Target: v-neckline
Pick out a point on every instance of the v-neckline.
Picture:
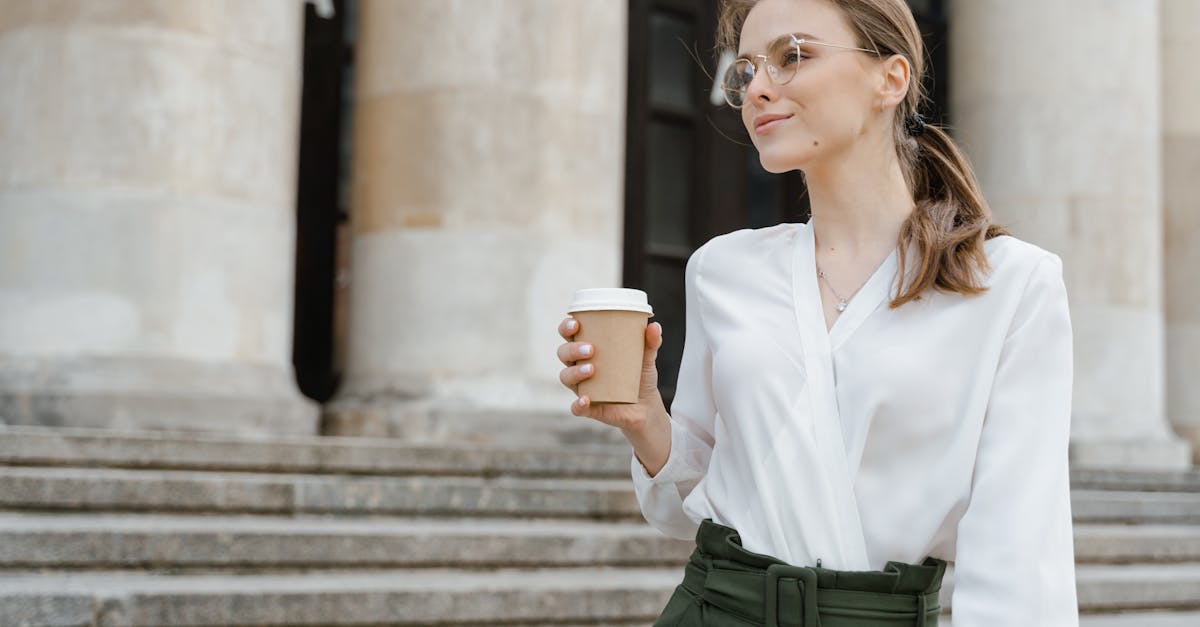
(807, 291)
(817, 345)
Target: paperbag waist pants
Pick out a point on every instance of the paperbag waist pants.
(726, 585)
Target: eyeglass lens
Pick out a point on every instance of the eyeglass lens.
(781, 58)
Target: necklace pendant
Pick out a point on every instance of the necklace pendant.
(841, 306)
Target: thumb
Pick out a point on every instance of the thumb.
(654, 341)
(649, 371)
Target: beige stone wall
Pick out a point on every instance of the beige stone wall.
(1181, 216)
(1058, 106)
(487, 186)
(147, 183)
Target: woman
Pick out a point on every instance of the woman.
(822, 440)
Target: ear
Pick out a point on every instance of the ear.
(894, 72)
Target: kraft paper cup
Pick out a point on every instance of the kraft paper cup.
(613, 321)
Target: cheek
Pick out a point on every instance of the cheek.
(826, 95)
(831, 117)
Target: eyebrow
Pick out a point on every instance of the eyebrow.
(807, 36)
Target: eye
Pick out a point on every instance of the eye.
(789, 58)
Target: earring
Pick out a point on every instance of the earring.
(881, 105)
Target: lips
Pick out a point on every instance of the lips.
(767, 121)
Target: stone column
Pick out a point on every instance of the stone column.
(1058, 106)
(147, 176)
(487, 186)
(1181, 193)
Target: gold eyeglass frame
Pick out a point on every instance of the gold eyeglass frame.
(773, 71)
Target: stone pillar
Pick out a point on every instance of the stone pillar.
(147, 180)
(1058, 106)
(488, 185)
(1181, 194)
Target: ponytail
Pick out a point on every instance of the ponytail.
(951, 220)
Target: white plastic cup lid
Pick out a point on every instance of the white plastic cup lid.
(610, 299)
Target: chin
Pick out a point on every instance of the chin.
(775, 169)
(779, 161)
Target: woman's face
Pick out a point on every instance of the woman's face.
(829, 103)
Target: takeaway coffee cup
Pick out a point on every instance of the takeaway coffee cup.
(613, 321)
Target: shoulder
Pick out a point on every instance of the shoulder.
(742, 246)
(1015, 262)
(1027, 283)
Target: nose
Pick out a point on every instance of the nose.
(761, 87)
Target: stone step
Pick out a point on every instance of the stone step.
(1107, 588)
(1136, 588)
(52, 446)
(151, 540)
(1135, 507)
(450, 597)
(108, 489)
(1136, 543)
(1125, 619)
(170, 490)
(1187, 480)
(393, 597)
(157, 541)
(1165, 618)
(36, 446)
(1141, 619)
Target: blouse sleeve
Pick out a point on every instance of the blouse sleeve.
(693, 414)
(1015, 561)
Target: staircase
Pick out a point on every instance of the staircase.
(111, 528)
(1137, 548)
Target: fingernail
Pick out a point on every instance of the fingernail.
(570, 325)
(586, 349)
(579, 402)
(586, 368)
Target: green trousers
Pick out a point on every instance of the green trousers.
(726, 585)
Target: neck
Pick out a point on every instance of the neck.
(859, 202)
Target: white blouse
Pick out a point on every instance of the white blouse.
(936, 429)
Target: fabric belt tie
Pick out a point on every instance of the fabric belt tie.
(789, 591)
(797, 599)
(788, 596)
(765, 591)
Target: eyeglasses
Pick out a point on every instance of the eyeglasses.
(782, 57)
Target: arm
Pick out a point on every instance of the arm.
(693, 413)
(1015, 553)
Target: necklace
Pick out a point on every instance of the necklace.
(842, 302)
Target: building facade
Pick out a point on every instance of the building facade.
(261, 218)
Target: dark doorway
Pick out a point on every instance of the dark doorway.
(691, 173)
(321, 199)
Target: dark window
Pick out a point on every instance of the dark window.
(931, 19)
(691, 173)
(321, 199)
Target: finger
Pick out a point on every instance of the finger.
(568, 328)
(573, 375)
(654, 341)
(573, 351)
(582, 407)
(654, 335)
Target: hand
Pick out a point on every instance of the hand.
(636, 420)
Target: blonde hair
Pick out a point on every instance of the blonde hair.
(951, 220)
